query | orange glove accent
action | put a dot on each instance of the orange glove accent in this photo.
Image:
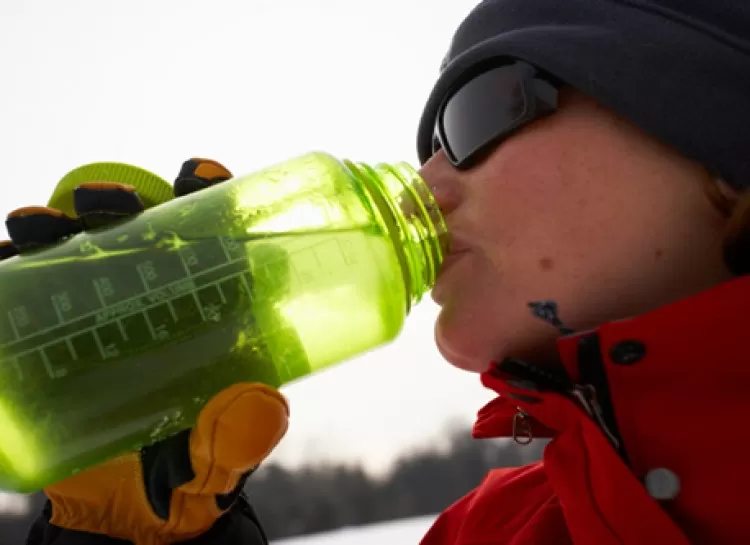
(210, 170)
(235, 432)
(35, 210)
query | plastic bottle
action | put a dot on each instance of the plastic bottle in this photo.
(114, 339)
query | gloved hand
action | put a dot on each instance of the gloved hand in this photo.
(177, 489)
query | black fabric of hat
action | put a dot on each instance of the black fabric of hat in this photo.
(679, 69)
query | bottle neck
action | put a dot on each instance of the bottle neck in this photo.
(413, 220)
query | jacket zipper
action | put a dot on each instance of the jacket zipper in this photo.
(586, 396)
(591, 394)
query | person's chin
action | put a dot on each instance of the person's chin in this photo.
(454, 355)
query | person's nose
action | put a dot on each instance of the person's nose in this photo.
(443, 181)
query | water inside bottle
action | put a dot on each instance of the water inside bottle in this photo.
(213, 311)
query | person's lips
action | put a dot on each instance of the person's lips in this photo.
(457, 249)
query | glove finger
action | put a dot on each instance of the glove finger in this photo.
(34, 226)
(234, 433)
(101, 203)
(197, 174)
(191, 478)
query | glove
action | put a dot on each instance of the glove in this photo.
(176, 489)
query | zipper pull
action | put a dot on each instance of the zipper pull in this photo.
(586, 396)
(522, 434)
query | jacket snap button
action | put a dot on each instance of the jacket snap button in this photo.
(627, 352)
(662, 484)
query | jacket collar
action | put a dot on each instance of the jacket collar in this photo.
(671, 389)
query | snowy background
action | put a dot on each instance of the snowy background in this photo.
(400, 532)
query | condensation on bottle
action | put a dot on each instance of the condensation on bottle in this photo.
(116, 338)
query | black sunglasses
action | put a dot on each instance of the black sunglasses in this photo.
(488, 106)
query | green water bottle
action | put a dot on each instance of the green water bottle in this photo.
(115, 339)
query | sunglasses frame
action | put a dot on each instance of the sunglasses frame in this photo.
(540, 89)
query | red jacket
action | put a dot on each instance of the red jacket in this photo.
(672, 389)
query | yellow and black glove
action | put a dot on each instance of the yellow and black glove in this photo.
(183, 489)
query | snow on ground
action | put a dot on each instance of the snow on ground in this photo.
(14, 504)
(398, 532)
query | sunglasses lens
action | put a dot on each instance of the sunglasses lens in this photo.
(483, 109)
